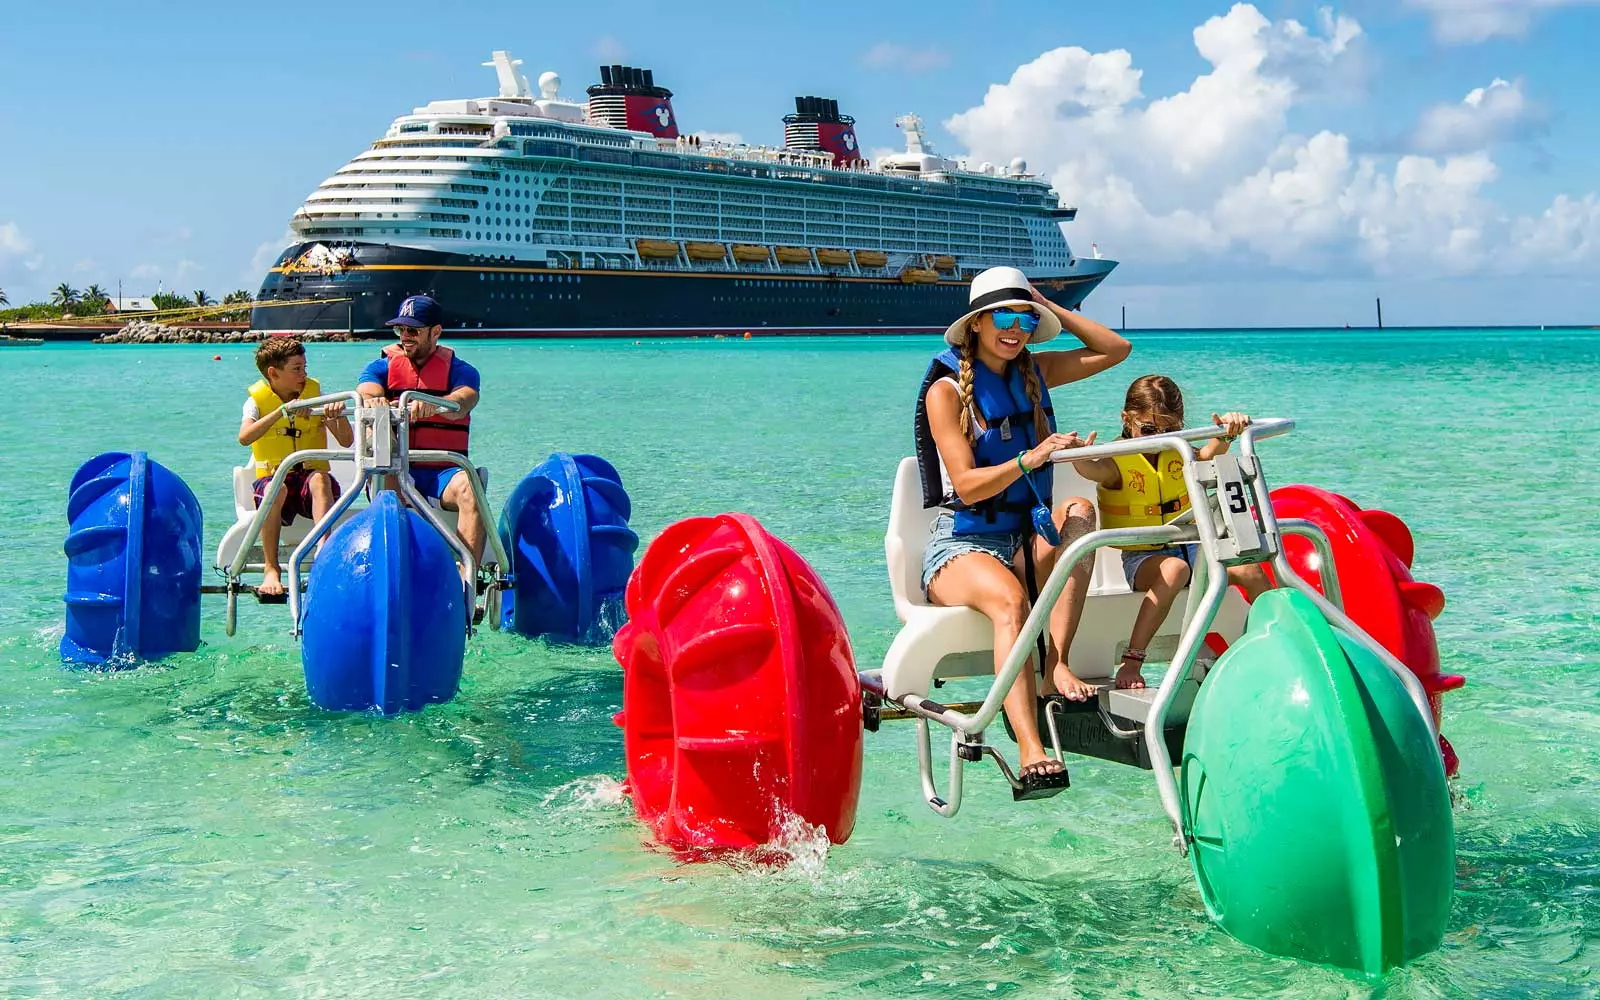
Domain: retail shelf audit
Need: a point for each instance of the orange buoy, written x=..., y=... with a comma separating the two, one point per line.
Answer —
x=218, y=357
x=747, y=335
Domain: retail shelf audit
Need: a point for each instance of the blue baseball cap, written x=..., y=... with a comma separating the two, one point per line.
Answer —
x=418, y=311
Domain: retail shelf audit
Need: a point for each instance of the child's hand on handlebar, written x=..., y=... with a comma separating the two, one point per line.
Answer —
x=1232, y=424
x=1040, y=455
x=333, y=411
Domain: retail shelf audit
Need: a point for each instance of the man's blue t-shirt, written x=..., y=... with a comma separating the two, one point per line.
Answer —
x=461, y=374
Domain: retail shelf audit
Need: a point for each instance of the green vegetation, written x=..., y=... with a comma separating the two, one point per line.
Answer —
x=67, y=301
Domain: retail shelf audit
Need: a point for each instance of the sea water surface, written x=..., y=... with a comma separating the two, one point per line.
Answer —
x=197, y=828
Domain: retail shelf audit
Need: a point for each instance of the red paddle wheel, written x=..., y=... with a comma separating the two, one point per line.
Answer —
x=1373, y=550
x=740, y=702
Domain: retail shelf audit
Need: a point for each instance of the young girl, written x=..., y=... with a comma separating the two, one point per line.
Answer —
x=985, y=431
x=1148, y=488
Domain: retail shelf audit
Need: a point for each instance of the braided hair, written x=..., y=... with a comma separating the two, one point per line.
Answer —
x=1030, y=382
x=964, y=386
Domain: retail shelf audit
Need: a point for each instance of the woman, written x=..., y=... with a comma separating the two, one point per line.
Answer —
x=985, y=432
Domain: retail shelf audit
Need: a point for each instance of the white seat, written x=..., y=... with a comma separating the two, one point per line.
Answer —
x=938, y=642
x=244, y=510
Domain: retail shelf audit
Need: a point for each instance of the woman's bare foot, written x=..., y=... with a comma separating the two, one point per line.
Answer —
x=1042, y=765
x=1069, y=686
x=1128, y=675
x=271, y=582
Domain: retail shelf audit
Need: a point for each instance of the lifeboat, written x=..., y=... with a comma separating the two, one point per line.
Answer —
x=794, y=255
x=834, y=258
x=659, y=249
x=751, y=252
x=919, y=276
x=944, y=263
x=706, y=251
x=871, y=258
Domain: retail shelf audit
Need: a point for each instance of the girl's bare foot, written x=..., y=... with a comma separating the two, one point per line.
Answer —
x=271, y=582
x=1069, y=686
x=1128, y=675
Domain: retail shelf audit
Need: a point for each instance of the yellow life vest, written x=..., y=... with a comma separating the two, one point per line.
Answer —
x=1150, y=494
x=298, y=432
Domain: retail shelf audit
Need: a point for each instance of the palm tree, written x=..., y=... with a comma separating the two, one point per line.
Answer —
x=202, y=299
x=64, y=295
x=3, y=300
x=238, y=297
x=95, y=298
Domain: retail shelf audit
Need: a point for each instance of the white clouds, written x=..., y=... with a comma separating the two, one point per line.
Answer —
x=893, y=56
x=12, y=242
x=1486, y=116
x=1461, y=22
x=1565, y=237
x=16, y=249
x=608, y=49
x=1212, y=173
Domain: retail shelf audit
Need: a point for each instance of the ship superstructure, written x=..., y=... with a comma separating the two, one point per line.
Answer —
x=538, y=215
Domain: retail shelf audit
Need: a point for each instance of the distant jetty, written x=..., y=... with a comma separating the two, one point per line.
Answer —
x=143, y=331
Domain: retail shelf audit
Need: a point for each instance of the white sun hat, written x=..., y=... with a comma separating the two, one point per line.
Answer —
x=1002, y=286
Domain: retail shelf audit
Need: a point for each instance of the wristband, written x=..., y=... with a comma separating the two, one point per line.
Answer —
x=1020, y=465
x=283, y=412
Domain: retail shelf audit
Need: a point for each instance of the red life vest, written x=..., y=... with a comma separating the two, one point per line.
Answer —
x=441, y=432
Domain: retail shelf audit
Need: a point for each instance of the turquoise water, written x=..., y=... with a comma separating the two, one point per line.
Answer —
x=198, y=829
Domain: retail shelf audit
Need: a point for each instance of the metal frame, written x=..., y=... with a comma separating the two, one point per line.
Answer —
x=1247, y=533
x=382, y=448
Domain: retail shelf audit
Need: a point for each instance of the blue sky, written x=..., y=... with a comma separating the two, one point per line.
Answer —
x=1275, y=163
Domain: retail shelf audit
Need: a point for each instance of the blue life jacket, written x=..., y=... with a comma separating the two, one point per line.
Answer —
x=1008, y=416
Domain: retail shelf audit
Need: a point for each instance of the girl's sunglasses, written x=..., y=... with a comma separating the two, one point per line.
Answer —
x=1147, y=429
x=1005, y=319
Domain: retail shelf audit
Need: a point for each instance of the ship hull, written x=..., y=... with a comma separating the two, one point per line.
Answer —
x=507, y=298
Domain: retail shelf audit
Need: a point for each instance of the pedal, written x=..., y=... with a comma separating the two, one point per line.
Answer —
x=261, y=598
x=477, y=614
x=1040, y=786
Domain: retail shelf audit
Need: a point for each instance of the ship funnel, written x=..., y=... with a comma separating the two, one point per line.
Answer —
x=627, y=98
x=817, y=125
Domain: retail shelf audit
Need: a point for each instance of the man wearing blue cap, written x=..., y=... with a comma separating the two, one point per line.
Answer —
x=418, y=362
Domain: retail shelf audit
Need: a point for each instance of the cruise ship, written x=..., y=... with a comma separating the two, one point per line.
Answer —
x=535, y=216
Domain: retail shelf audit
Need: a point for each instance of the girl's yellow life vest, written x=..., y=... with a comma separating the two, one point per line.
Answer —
x=1150, y=494
x=297, y=432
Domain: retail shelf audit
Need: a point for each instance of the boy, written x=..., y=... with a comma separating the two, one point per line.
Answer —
x=272, y=436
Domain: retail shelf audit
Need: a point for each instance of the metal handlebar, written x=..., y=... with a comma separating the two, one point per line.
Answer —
x=1255, y=431
x=333, y=397
x=417, y=396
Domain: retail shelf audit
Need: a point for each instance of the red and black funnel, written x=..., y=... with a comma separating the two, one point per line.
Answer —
x=627, y=98
x=817, y=125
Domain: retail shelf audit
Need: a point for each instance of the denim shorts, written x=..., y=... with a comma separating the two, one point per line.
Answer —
x=944, y=545
x=1131, y=561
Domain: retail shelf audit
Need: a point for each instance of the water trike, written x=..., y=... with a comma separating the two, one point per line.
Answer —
x=392, y=594
x=1295, y=754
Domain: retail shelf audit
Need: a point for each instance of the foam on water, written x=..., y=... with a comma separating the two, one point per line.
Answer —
x=199, y=828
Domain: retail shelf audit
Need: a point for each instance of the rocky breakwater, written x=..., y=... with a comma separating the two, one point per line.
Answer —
x=143, y=331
